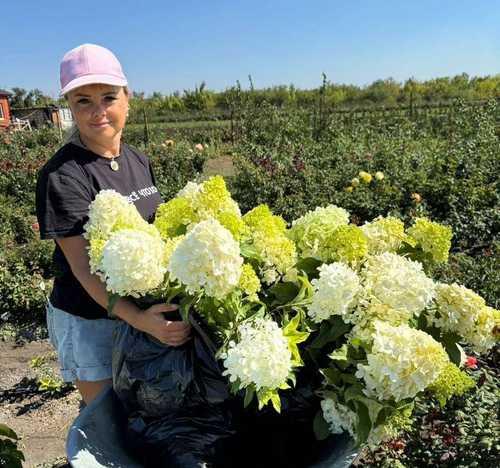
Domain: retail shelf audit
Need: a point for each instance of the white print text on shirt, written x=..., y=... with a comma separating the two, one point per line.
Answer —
x=144, y=192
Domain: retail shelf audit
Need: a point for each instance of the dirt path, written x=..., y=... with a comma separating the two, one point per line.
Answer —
x=43, y=429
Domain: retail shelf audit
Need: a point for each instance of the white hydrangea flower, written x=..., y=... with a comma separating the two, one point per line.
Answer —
x=482, y=336
x=335, y=292
x=110, y=212
x=398, y=282
x=260, y=357
x=460, y=310
x=368, y=313
x=403, y=361
x=208, y=259
x=190, y=191
x=384, y=234
x=311, y=231
x=132, y=263
x=457, y=308
x=339, y=417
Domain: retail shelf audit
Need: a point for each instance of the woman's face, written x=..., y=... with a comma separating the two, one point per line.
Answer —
x=99, y=110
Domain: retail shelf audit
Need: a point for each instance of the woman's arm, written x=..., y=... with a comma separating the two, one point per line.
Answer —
x=150, y=320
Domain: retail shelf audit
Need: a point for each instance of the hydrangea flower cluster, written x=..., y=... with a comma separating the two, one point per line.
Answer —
x=109, y=213
x=213, y=198
x=249, y=281
x=132, y=263
x=311, y=231
x=347, y=244
x=173, y=216
x=207, y=259
x=399, y=421
x=335, y=292
x=433, y=238
x=275, y=250
x=398, y=282
x=261, y=357
x=339, y=417
x=403, y=362
x=199, y=202
x=384, y=234
x=366, y=315
x=460, y=310
x=452, y=381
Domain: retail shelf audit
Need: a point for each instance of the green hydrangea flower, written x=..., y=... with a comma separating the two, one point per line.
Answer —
x=347, y=244
x=234, y=224
x=451, y=382
x=267, y=235
x=213, y=198
x=433, y=238
x=173, y=216
x=311, y=231
x=262, y=219
x=249, y=282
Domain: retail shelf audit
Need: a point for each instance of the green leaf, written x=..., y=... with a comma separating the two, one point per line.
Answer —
x=339, y=354
x=248, y=251
x=112, y=300
x=284, y=292
x=309, y=266
x=249, y=393
x=332, y=376
x=320, y=426
x=6, y=431
x=329, y=331
x=364, y=425
x=450, y=342
x=275, y=400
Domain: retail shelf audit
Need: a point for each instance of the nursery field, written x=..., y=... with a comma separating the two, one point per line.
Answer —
x=444, y=166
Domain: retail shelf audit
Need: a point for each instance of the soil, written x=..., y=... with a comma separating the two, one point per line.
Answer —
x=39, y=418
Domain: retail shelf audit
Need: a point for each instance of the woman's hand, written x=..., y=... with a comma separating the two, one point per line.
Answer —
x=152, y=321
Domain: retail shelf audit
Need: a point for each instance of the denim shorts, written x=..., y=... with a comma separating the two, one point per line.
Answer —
x=83, y=346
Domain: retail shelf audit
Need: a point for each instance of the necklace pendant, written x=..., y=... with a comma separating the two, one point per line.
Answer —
x=114, y=165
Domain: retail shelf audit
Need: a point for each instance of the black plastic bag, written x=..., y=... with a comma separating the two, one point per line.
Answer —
x=269, y=439
x=175, y=399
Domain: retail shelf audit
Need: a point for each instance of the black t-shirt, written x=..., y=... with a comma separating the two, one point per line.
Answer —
x=66, y=186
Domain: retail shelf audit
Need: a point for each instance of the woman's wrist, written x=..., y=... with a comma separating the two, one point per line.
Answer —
x=126, y=311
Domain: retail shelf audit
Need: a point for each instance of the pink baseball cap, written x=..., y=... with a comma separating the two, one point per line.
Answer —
x=90, y=64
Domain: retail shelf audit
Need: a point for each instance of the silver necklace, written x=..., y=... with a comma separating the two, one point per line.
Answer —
x=113, y=164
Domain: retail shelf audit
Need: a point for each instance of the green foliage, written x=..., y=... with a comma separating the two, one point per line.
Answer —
x=452, y=167
x=10, y=455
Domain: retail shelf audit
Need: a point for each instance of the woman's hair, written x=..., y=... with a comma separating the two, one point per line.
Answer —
x=72, y=135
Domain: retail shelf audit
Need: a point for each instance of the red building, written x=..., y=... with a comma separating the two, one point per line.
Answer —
x=4, y=109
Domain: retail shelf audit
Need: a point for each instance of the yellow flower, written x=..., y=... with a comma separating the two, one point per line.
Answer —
x=355, y=182
x=366, y=177
x=349, y=189
x=379, y=175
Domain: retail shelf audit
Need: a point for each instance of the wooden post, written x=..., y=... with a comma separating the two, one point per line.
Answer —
x=146, y=126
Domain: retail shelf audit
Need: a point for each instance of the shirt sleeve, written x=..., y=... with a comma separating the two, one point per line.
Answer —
x=62, y=204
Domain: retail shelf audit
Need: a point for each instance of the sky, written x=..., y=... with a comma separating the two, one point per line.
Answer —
x=166, y=45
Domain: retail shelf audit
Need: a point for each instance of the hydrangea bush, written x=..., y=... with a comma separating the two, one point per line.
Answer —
x=354, y=305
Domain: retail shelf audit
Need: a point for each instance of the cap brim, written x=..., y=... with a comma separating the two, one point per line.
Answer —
x=93, y=79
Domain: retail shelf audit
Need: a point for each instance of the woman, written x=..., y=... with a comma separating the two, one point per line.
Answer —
x=95, y=87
